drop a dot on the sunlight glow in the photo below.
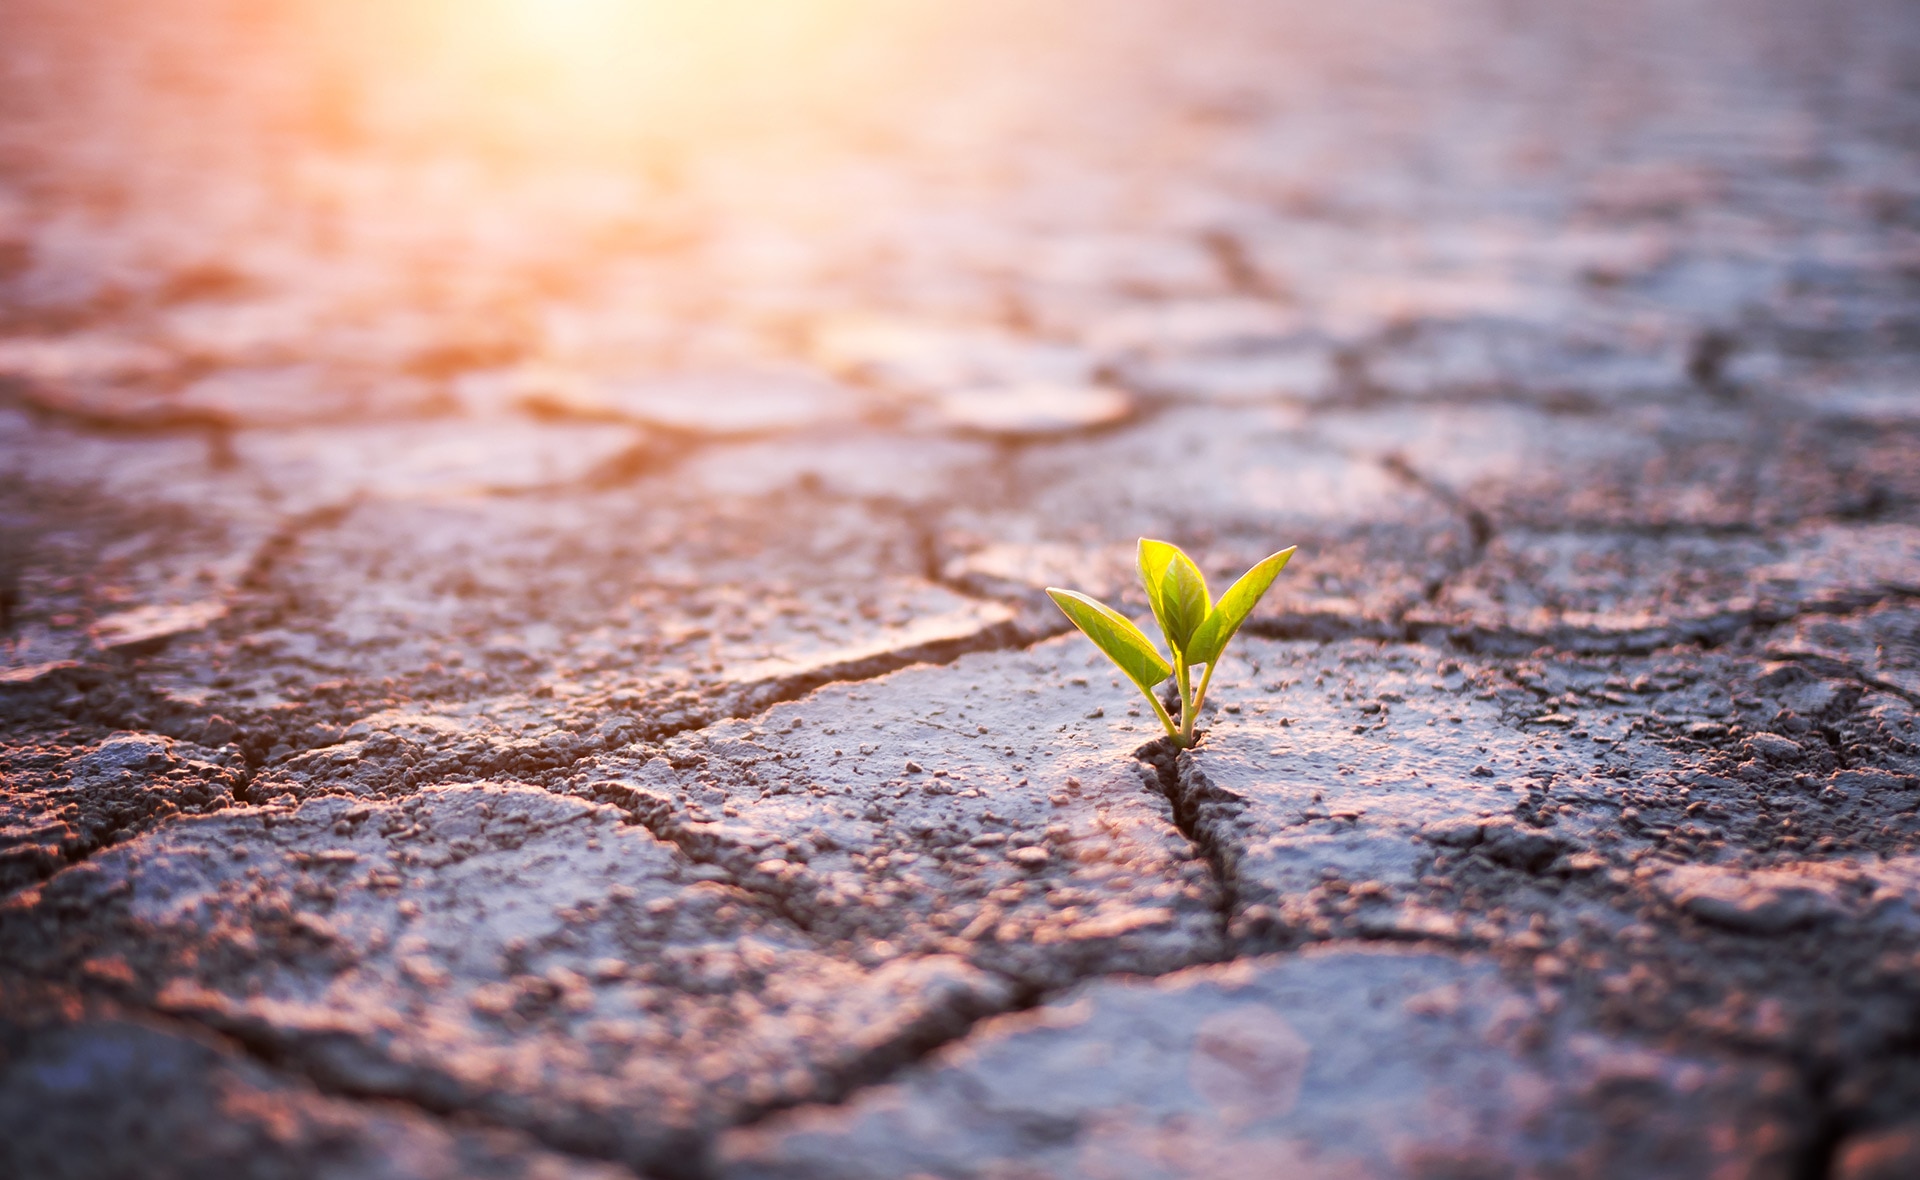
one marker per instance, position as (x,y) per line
(547,71)
(566,23)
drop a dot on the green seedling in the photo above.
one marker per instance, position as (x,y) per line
(1196,627)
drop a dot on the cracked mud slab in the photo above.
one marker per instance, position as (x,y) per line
(69,799)
(649,594)
(1683,464)
(535,960)
(1708,848)
(979,809)
(1335,1064)
(98,531)
(90,1090)
(1341,766)
(1247,481)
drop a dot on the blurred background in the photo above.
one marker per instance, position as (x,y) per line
(405,193)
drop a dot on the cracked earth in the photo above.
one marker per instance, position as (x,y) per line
(521,577)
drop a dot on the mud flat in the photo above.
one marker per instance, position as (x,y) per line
(525,645)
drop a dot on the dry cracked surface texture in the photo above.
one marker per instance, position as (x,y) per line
(522,531)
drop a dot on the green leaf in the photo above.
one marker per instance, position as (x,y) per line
(1188,602)
(1115,634)
(1176,589)
(1153,558)
(1210,639)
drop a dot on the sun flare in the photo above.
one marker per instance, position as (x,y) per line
(552,71)
(568,23)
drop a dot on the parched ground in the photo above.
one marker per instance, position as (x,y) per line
(521,537)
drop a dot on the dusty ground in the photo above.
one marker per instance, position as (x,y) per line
(520,559)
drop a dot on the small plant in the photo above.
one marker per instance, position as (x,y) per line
(1197,628)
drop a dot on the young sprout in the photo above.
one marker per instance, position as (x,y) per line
(1197,628)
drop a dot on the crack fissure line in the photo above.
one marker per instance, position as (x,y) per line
(1841,669)
(281,1056)
(1160,756)
(1480,530)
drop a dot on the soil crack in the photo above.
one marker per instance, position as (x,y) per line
(1165,761)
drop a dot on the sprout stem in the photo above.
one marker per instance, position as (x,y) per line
(1160,711)
(1185,737)
(1199,699)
